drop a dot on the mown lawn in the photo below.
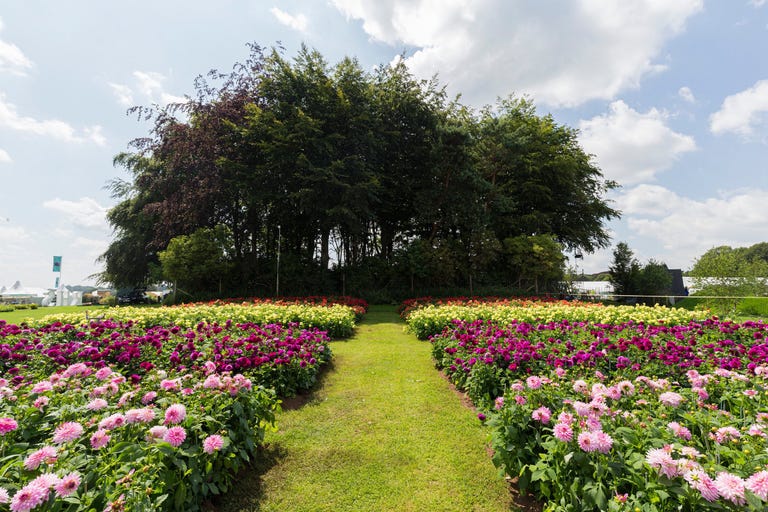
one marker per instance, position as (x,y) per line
(18,316)
(383,432)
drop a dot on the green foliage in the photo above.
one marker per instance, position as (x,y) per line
(726,272)
(363,180)
(196,262)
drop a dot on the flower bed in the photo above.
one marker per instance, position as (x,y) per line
(135,415)
(647,416)
(284,358)
(87,439)
(431,319)
(337,320)
(649,444)
(360,306)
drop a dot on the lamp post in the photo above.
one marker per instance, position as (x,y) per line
(277,279)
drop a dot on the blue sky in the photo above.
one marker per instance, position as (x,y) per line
(671,96)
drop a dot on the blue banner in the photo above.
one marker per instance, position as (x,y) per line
(57,263)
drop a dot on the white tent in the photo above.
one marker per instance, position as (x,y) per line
(22,294)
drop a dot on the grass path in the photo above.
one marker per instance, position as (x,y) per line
(383,432)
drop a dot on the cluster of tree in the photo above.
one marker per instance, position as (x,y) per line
(629,277)
(350,181)
(726,274)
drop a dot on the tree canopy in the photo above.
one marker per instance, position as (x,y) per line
(366,180)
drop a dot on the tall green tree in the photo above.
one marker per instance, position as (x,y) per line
(624,270)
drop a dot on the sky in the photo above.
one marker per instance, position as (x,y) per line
(670,96)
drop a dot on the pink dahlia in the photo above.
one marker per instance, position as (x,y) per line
(46,454)
(99,439)
(67,485)
(212,382)
(7,425)
(587,441)
(533,382)
(701,481)
(730,487)
(29,497)
(113,421)
(660,459)
(603,441)
(758,484)
(175,414)
(679,430)
(143,415)
(213,443)
(671,399)
(42,387)
(170,384)
(96,404)
(498,403)
(175,436)
(156,433)
(542,414)
(66,432)
(725,434)
(563,432)
(4,497)
(148,397)
(104,373)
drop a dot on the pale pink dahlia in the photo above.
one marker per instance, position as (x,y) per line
(758,484)
(563,432)
(701,481)
(67,485)
(587,441)
(175,436)
(213,443)
(66,432)
(542,414)
(671,398)
(96,404)
(4,497)
(533,382)
(679,430)
(148,397)
(175,414)
(603,441)
(29,497)
(46,454)
(730,487)
(156,433)
(660,459)
(100,439)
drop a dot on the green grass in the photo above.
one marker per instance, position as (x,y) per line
(18,316)
(383,432)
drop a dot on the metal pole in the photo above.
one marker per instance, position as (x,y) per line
(277,280)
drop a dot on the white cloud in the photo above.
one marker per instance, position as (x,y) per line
(10,118)
(686,94)
(741,112)
(85,212)
(686,227)
(631,147)
(489,48)
(5,158)
(758,3)
(12,59)
(123,93)
(149,85)
(298,22)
